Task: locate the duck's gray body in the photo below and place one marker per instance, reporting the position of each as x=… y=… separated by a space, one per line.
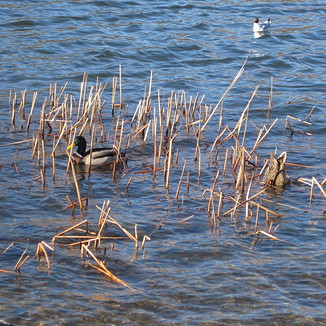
x=96 y=157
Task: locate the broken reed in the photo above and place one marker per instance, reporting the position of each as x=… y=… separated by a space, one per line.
x=81 y=232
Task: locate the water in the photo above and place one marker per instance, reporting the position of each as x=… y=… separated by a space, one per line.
x=189 y=274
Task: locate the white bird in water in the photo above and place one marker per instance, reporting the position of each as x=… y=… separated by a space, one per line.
x=261 y=29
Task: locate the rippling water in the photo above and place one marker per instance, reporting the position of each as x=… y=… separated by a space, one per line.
x=188 y=274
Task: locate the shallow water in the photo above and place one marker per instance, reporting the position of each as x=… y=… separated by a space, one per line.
x=189 y=273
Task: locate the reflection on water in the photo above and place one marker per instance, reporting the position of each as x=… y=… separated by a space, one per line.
x=194 y=270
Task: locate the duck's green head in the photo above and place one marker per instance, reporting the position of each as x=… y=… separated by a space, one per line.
x=80 y=142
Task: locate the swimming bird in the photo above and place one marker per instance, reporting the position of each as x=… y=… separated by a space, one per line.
x=275 y=174
x=261 y=28
x=96 y=157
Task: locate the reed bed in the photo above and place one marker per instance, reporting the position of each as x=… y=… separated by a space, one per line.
x=170 y=124
x=80 y=235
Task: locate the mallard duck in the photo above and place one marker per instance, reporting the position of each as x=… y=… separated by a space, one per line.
x=261 y=28
x=275 y=174
x=100 y=156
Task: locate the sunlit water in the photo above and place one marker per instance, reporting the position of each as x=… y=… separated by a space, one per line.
x=189 y=273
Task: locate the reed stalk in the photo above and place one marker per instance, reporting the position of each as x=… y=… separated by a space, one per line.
x=262 y=137
x=169 y=162
x=60 y=234
x=41 y=249
x=76 y=183
x=145 y=238
x=102 y=268
x=113 y=221
x=13 y=110
x=114 y=92
x=242 y=203
x=310 y=113
x=22 y=104
x=22 y=260
x=120 y=86
x=180 y=181
x=236 y=78
x=270 y=98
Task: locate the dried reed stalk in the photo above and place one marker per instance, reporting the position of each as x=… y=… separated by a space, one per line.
x=270 y=98
x=102 y=268
x=154 y=133
x=262 y=137
x=145 y=238
x=237 y=128
x=319 y=186
x=70 y=229
x=120 y=84
x=21 y=261
x=22 y=104
x=113 y=221
x=242 y=203
x=41 y=249
x=76 y=182
x=186 y=219
x=241 y=179
x=88 y=240
x=180 y=181
x=169 y=162
x=13 y=110
x=236 y=78
x=297 y=119
x=266 y=209
x=310 y=113
x=74 y=204
x=272 y=237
